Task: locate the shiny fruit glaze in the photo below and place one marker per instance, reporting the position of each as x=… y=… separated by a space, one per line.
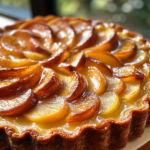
x=64 y=73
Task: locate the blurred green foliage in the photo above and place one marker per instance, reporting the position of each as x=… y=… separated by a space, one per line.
x=25 y=4
x=135 y=14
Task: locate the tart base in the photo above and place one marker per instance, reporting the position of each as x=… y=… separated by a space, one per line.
x=110 y=134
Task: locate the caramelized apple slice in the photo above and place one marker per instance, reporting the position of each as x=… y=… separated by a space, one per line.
x=115 y=84
x=83 y=107
x=106 y=37
x=45 y=19
x=105 y=57
x=49 y=84
x=63 y=31
x=34 y=55
x=126 y=48
x=8 y=90
x=85 y=34
x=137 y=60
x=19 y=72
x=40 y=29
x=125 y=33
x=105 y=69
x=17 y=105
x=11 y=46
x=146 y=69
x=60 y=53
x=63 y=68
x=23 y=36
x=73 y=86
x=14 y=63
x=131 y=91
x=38 y=18
x=144 y=44
x=77 y=60
x=35 y=46
x=148 y=55
x=49 y=18
x=73 y=19
x=128 y=73
x=17 y=42
x=96 y=80
x=110 y=103
x=49 y=110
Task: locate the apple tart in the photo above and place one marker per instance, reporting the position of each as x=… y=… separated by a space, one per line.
x=72 y=84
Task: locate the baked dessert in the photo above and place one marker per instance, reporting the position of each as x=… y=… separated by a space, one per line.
x=72 y=84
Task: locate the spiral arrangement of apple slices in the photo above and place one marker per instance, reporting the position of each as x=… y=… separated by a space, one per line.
x=54 y=68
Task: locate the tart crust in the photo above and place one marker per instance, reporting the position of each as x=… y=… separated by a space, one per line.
x=110 y=134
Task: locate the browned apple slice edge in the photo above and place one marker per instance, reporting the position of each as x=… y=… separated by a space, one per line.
x=28 y=101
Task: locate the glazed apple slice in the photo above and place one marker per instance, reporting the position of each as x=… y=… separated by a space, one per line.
x=128 y=73
x=146 y=69
x=40 y=29
x=18 y=105
x=63 y=68
x=77 y=60
x=106 y=37
x=105 y=69
x=105 y=57
x=131 y=91
x=49 y=110
x=73 y=86
x=83 y=107
x=38 y=18
x=14 y=63
x=137 y=60
x=73 y=19
x=114 y=84
x=63 y=31
x=23 y=36
x=11 y=46
x=125 y=33
x=41 y=18
x=49 y=84
x=144 y=44
x=35 y=46
x=34 y=55
x=49 y=18
x=60 y=54
x=45 y=19
x=19 y=72
x=10 y=89
x=17 y=42
x=110 y=103
x=85 y=34
x=96 y=80
x=126 y=48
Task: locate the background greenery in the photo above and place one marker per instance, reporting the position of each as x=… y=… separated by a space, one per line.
x=25 y=4
x=135 y=14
